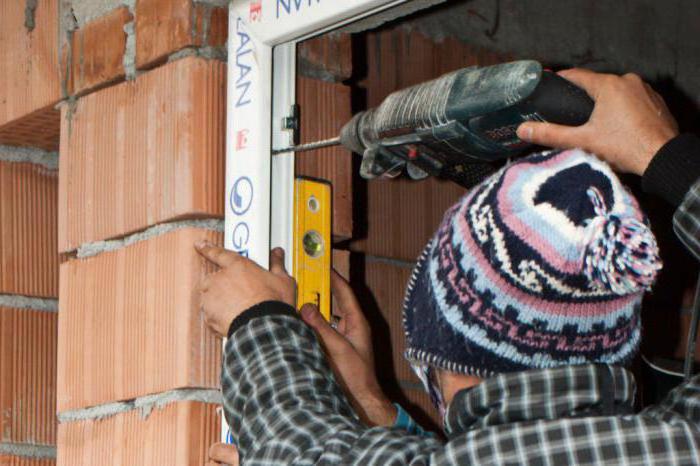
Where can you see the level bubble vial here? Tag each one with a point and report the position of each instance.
(313, 243)
(313, 204)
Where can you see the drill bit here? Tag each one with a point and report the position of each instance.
(309, 146)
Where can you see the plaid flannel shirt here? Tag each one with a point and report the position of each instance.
(285, 407)
(686, 220)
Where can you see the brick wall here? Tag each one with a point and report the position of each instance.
(29, 89)
(28, 305)
(141, 180)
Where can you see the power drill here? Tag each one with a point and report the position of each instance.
(460, 125)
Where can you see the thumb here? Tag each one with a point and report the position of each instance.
(277, 263)
(331, 339)
(224, 453)
(552, 135)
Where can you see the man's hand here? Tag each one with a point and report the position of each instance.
(240, 284)
(349, 350)
(222, 454)
(629, 124)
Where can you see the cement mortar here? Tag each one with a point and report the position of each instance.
(26, 302)
(216, 3)
(129, 60)
(210, 53)
(98, 247)
(389, 261)
(87, 10)
(145, 404)
(313, 70)
(29, 12)
(29, 155)
(28, 450)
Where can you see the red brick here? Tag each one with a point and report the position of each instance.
(28, 218)
(166, 26)
(7, 460)
(40, 129)
(131, 323)
(211, 25)
(143, 152)
(98, 51)
(325, 108)
(341, 262)
(178, 434)
(327, 57)
(387, 284)
(28, 375)
(29, 79)
(415, 209)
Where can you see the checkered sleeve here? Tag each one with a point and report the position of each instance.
(284, 405)
(686, 220)
(682, 404)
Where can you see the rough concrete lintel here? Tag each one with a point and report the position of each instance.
(98, 247)
(28, 450)
(374, 21)
(29, 155)
(145, 404)
(28, 302)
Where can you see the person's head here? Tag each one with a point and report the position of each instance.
(543, 264)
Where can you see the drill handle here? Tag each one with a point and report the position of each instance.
(557, 100)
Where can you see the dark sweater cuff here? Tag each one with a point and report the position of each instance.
(266, 308)
(674, 169)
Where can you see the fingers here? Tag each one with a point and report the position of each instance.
(204, 283)
(224, 453)
(277, 262)
(217, 254)
(552, 135)
(333, 342)
(345, 297)
(587, 80)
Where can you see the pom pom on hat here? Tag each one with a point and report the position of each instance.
(622, 255)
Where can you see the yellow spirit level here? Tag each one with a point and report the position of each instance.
(312, 243)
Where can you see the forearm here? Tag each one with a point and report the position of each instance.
(283, 403)
(674, 174)
(674, 169)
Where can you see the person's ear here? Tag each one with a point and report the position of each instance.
(450, 383)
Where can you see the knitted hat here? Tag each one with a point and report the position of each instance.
(543, 264)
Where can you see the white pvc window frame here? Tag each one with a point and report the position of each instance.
(261, 90)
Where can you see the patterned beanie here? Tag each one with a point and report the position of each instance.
(543, 264)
